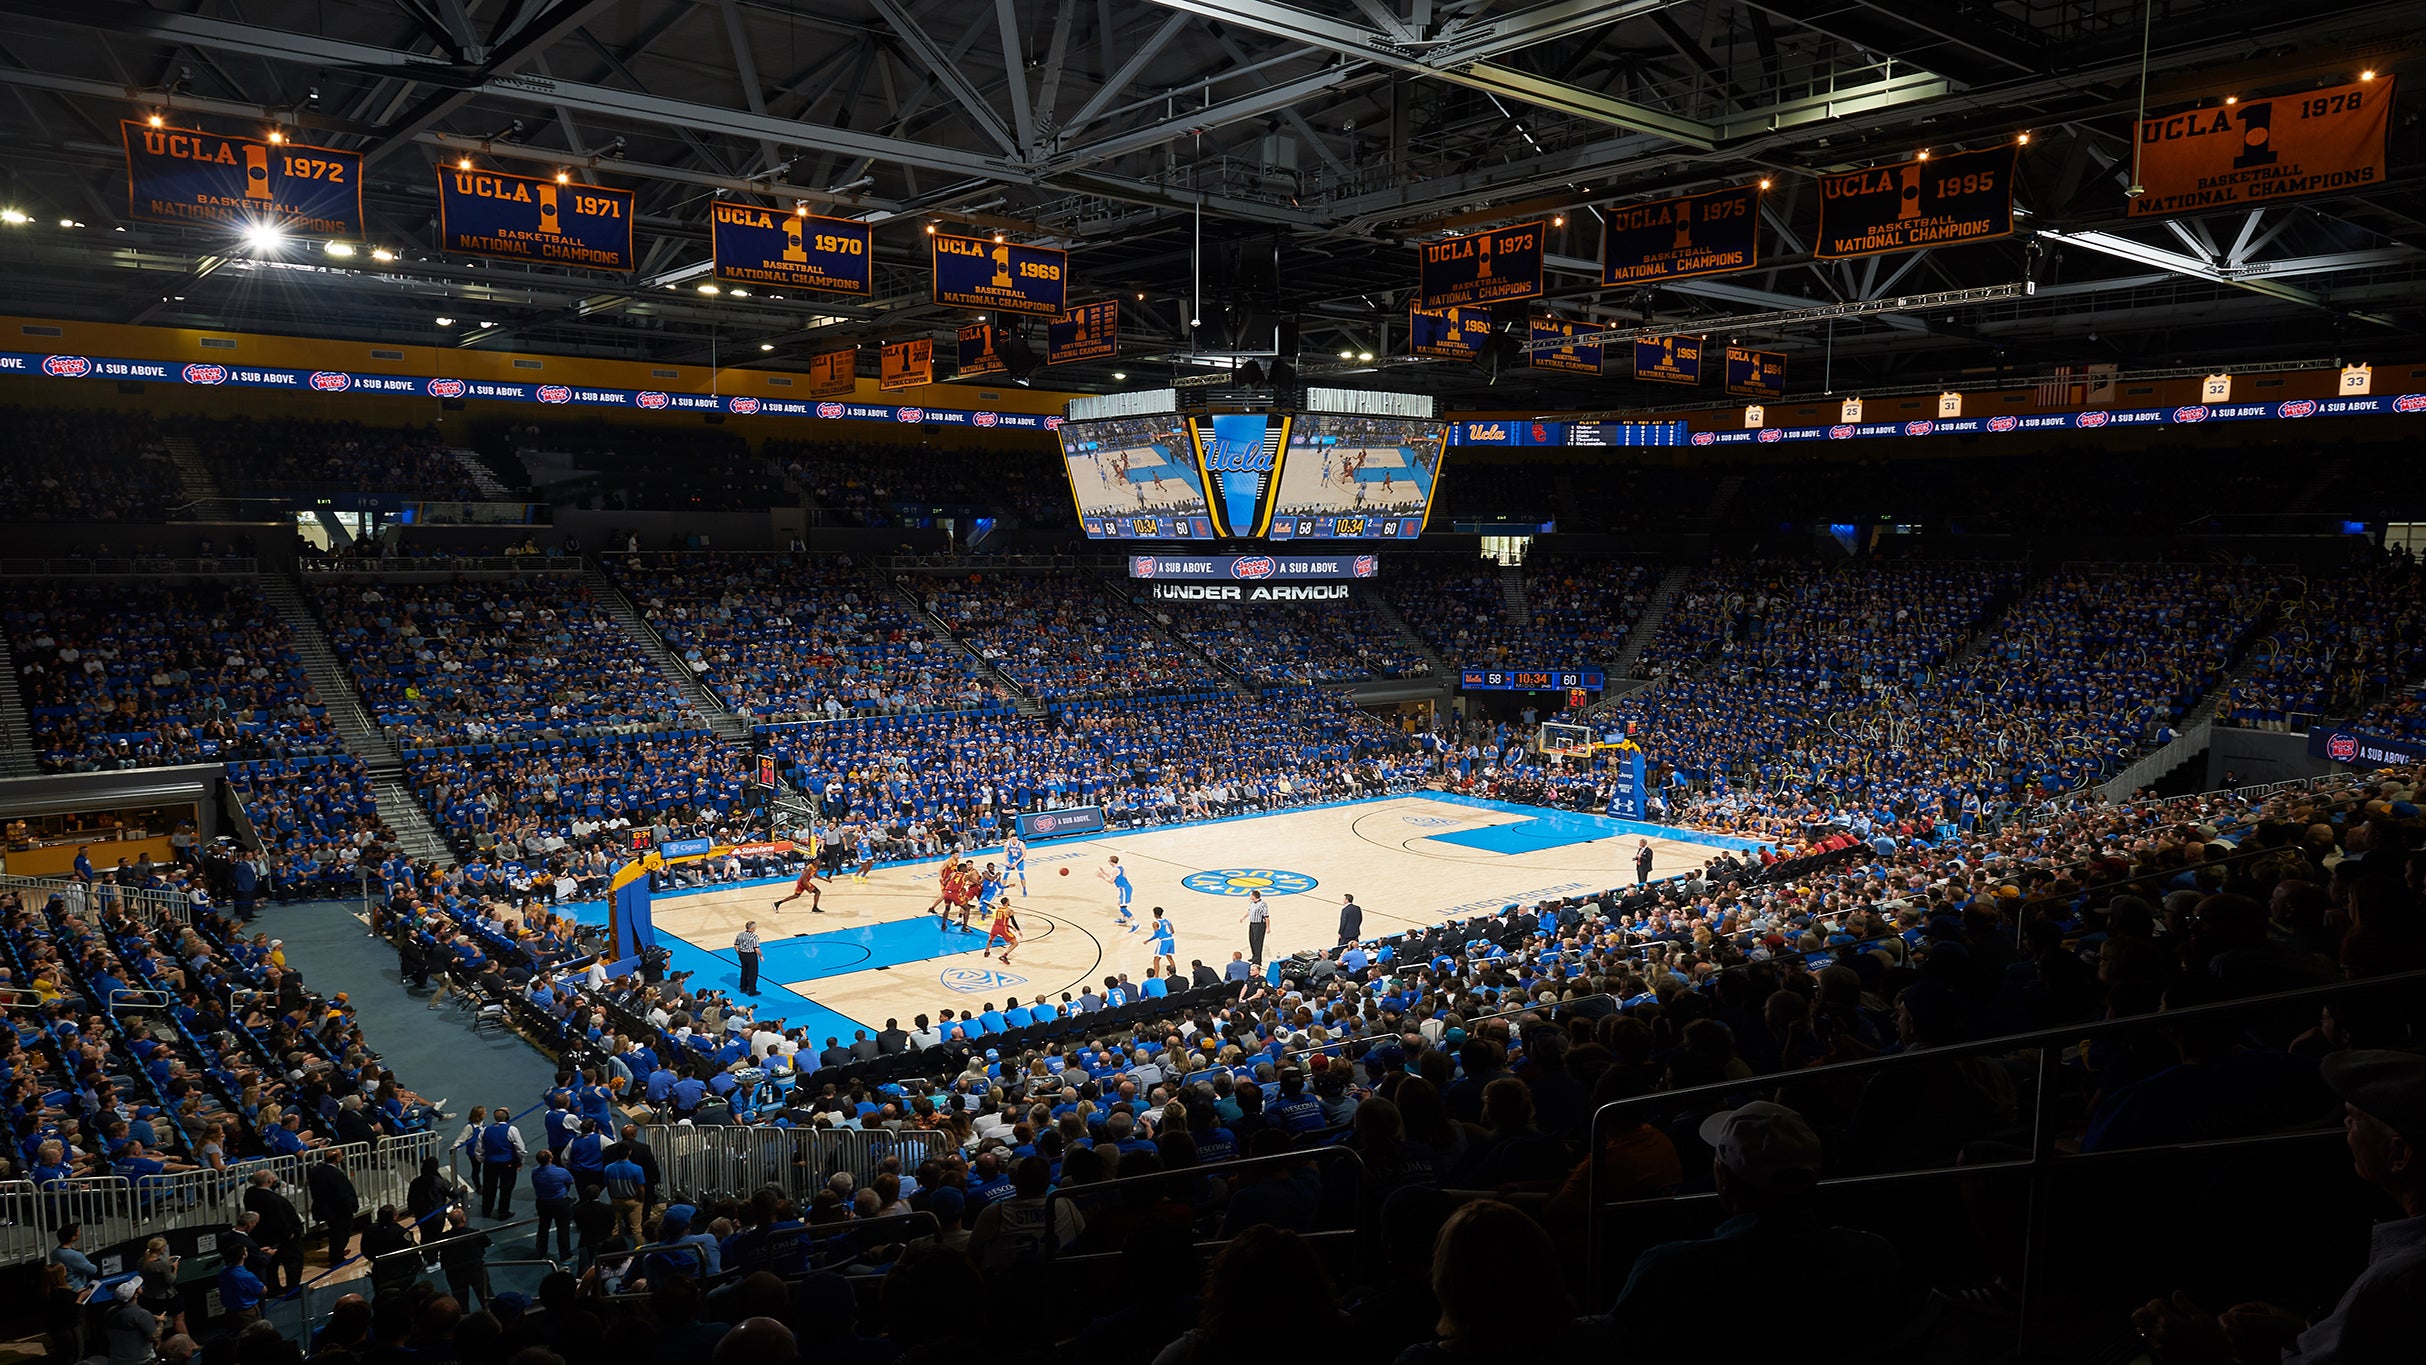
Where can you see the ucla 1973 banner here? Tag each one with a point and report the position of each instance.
(526, 218)
(972, 272)
(178, 175)
(978, 357)
(1498, 266)
(1669, 360)
(1090, 331)
(2259, 151)
(1756, 374)
(1448, 333)
(791, 250)
(1967, 197)
(1672, 239)
(1569, 356)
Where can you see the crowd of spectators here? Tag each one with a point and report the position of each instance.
(89, 464)
(1275, 643)
(312, 819)
(874, 483)
(543, 805)
(249, 455)
(1458, 606)
(1057, 637)
(2343, 642)
(1584, 605)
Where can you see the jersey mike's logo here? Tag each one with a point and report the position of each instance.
(1704, 438)
(2297, 407)
(911, 415)
(1052, 424)
(1141, 566)
(1920, 428)
(984, 419)
(1771, 436)
(2410, 402)
(446, 388)
(2002, 424)
(2341, 748)
(651, 399)
(332, 381)
(66, 366)
(2195, 412)
(1840, 432)
(1252, 567)
(829, 411)
(205, 374)
(2089, 419)
(744, 406)
(1367, 565)
(555, 393)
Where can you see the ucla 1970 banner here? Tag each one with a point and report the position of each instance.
(178, 175)
(972, 272)
(766, 246)
(1498, 266)
(1672, 239)
(526, 218)
(2260, 151)
(1967, 197)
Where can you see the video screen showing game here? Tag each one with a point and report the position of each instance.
(1348, 477)
(1135, 478)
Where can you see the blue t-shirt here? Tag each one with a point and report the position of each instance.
(551, 1181)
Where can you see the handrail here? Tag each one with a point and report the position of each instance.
(1309, 1156)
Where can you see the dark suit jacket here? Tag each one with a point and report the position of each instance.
(279, 1221)
(893, 1042)
(333, 1196)
(1351, 921)
(865, 1050)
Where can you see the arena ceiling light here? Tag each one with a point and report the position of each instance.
(15, 217)
(1745, 322)
(264, 237)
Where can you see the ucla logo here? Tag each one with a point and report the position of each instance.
(971, 980)
(1430, 821)
(1238, 881)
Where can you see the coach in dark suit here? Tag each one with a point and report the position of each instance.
(280, 1232)
(334, 1202)
(1351, 920)
(894, 1041)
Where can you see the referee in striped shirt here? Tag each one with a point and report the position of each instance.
(745, 945)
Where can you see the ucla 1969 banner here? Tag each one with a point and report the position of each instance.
(2259, 151)
(978, 357)
(526, 218)
(1569, 356)
(2361, 750)
(1252, 568)
(178, 175)
(1090, 331)
(1498, 266)
(1671, 239)
(972, 272)
(1669, 360)
(1530, 679)
(1962, 198)
(1448, 333)
(791, 250)
(905, 364)
(1756, 374)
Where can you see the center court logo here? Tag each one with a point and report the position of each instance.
(1430, 821)
(971, 980)
(1238, 881)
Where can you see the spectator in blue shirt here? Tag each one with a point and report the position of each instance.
(552, 1190)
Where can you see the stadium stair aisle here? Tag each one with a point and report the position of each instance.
(362, 738)
(1116, 591)
(1379, 602)
(720, 717)
(1655, 613)
(16, 739)
(201, 490)
(411, 820)
(1512, 592)
(1025, 704)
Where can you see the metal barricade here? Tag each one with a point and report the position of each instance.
(152, 907)
(726, 1161)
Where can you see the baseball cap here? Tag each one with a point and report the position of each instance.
(2390, 1086)
(1766, 1144)
(947, 1203)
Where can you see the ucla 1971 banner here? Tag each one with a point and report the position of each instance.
(1499, 266)
(1252, 568)
(978, 357)
(1669, 360)
(2260, 151)
(756, 245)
(1090, 331)
(905, 364)
(1755, 374)
(1569, 356)
(526, 218)
(972, 272)
(1673, 239)
(1448, 333)
(833, 372)
(1967, 197)
(178, 175)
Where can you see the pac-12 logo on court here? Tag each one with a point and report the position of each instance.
(971, 980)
(1430, 821)
(1238, 881)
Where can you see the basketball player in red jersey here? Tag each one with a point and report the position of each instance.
(1005, 930)
(946, 878)
(806, 885)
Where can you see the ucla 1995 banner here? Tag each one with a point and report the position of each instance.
(1498, 266)
(971, 272)
(791, 250)
(1967, 197)
(1756, 374)
(1090, 331)
(177, 175)
(978, 357)
(2258, 151)
(526, 218)
(1569, 356)
(1252, 568)
(1699, 234)
(1448, 333)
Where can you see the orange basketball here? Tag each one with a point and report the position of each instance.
(1065, 872)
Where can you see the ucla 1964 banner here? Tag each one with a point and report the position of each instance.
(905, 365)
(791, 250)
(972, 272)
(1569, 356)
(1498, 266)
(1669, 360)
(1448, 333)
(2259, 151)
(1672, 239)
(1090, 331)
(1756, 374)
(832, 373)
(526, 218)
(1967, 197)
(978, 357)
(177, 175)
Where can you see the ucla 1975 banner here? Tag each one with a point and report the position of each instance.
(2259, 151)
(1967, 197)
(178, 175)
(972, 272)
(1498, 266)
(1672, 239)
(756, 245)
(526, 218)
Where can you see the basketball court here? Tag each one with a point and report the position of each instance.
(1411, 861)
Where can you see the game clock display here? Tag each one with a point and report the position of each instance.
(1530, 679)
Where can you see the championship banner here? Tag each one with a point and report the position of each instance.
(527, 218)
(1699, 234)
(1967, 197)
(972, 272)
(905, 364)
(1571, 356)
(1499, 266)
(1756, 374)
(977, 356)
(1448, 333)
(756, 245)
(1668, 360)
(178, 175)
(2262, 151)
(1089, 332)
(833, 373)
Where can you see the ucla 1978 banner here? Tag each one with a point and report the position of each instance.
(1672, 239)
(1448, 333)
(791, 250)
(972, 272)
(526, 218)
(977, 354)
(178, 175)
(2259, 151)
(1090, 331)
(1569, 356)
(1756, 374)
(1967, 197)
(1498, 266)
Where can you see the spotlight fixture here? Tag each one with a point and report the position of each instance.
(766, 345)
(264, 237)
(14, 217)
(705, 288)
(382, 254)
(444, 322)
(1347, 355)
(2368, 74)
(930, 229)
(155, 119)
(1558, 220)
(1924, 154)
(564, 177)
(67, 222)
(2232, 99)
(463, 164)
(339, 249)
(1364, 355)
(276, 136)
(1120, 374)
(2024, 139)
(997, 236)
(741, 293)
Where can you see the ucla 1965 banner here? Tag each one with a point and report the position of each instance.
(972, 272)
(905, 365)
(791, 250)
(1569, 356)
(1669, 360)
(1498, 266)
(1699, 234)
(526, 218)
(1967, 197)
(1448, 333)
(177, 175)
(2259, 151)
(1756, 374)
(978, 357)
(1090, 331)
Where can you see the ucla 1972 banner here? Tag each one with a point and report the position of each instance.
(757, 245)
(1756, 374)
(1090, 331)
(972, 272)
(978, 357)
(527, 218)
(1448, 333)
(1967, 197)
(178, 175)
(1252, 568)
(1568, 356)
(2259, 151)
(1499, 266)
(1673, 239)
